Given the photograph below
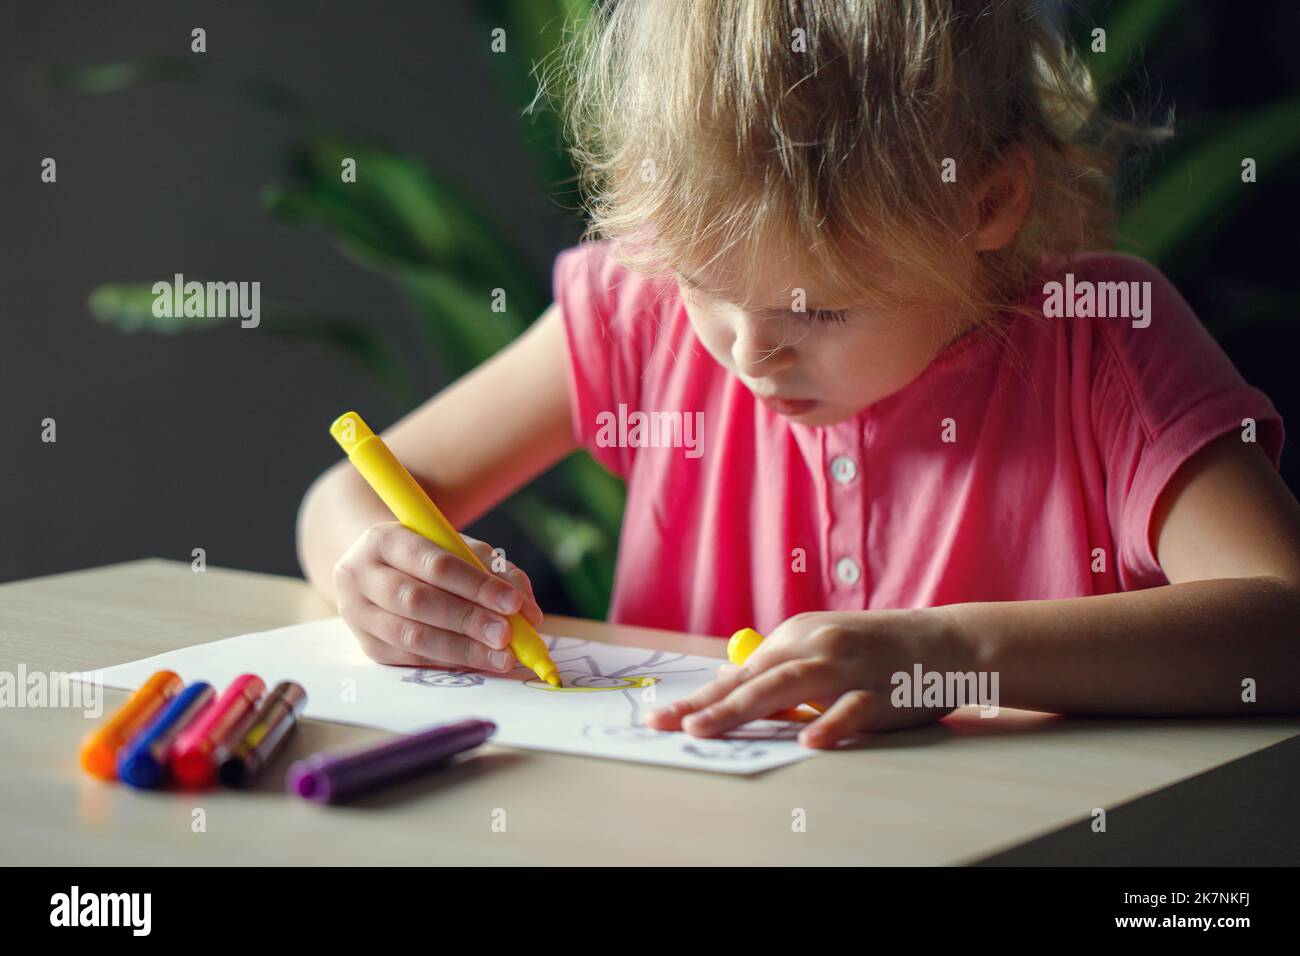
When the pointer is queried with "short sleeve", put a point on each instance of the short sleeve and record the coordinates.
(605, 308)
(1162, 389)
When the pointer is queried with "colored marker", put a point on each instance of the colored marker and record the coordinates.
(143, 762)
(100, 749)
(407, 500)
(743, 643)
(198, 749)
(271, 724)
(330, 778)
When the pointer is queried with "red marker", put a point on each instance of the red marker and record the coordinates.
(202, 746)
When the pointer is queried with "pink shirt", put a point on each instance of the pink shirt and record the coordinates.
(1065, 436)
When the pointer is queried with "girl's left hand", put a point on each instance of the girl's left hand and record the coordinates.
(842, 661)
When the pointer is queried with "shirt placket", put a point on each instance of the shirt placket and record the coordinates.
(846, 565)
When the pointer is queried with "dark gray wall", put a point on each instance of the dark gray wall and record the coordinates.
(207, 439)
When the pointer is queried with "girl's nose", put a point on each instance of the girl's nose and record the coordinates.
(760, 348)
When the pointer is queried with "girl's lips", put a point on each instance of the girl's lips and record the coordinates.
(790, 406)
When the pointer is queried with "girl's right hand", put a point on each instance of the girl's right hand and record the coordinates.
(411, 602)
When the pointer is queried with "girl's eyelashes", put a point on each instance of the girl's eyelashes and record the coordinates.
(816, 316)
(828, 316)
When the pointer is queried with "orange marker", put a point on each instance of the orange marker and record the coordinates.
(99, 751)
(203, 744)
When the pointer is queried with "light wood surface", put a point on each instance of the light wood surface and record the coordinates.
(949, 793)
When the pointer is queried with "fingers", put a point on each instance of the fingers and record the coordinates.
(390, 639)
(382, 653)
(413, 600)
(669, 717)
(410, 576)
(512, 574)
(730, 676)
(785, 685)
(859, 712)
(420, 558)
(855, 712)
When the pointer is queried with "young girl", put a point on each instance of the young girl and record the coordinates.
(871, 393)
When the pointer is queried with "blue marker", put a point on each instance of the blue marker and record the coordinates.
(143, 761)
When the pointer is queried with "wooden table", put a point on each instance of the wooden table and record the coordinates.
(955, 792)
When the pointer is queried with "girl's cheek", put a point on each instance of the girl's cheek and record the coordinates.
(715, 332)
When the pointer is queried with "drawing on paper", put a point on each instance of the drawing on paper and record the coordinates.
(448, 678)
(582, 673)
(585, 683)
(623, 732)
(743, 742)
(609, 724)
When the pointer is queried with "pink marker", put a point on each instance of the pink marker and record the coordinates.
(201, 746)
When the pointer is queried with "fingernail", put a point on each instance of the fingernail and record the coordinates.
(508, 600)
(499, 659)
(494, 631)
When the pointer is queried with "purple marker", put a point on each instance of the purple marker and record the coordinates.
(330, 778)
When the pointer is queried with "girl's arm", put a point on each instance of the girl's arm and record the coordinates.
(1227, 535)
(470, 446)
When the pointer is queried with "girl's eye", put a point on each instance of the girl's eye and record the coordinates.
(828, 316)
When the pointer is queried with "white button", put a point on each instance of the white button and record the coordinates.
(847, 570)
(844, 469)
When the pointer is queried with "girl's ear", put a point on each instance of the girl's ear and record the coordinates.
(1002, 199)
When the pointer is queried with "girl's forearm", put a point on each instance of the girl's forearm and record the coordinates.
(1183, 649)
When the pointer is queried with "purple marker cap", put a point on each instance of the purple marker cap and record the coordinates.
(330, 778)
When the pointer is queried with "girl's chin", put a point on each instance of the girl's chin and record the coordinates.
(818, 413)
(824, 415)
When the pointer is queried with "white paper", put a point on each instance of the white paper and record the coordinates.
(599, 712)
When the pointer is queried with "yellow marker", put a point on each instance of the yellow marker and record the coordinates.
(413, 508)
(743, 643)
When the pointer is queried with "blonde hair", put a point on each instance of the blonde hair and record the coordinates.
(722, 125)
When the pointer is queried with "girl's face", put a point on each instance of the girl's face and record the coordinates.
(824, 364)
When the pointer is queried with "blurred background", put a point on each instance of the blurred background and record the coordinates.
(225, 165)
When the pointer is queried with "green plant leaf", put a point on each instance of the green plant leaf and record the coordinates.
(1205, 185)
(457, 320)
(583, 554)
(128, 307)
(400, 217)
(594, 490)
(534, 29)
(426, 234)
(99, 79)
(1130, 28)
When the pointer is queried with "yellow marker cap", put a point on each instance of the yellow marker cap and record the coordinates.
(743, 643)
(349, 430)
